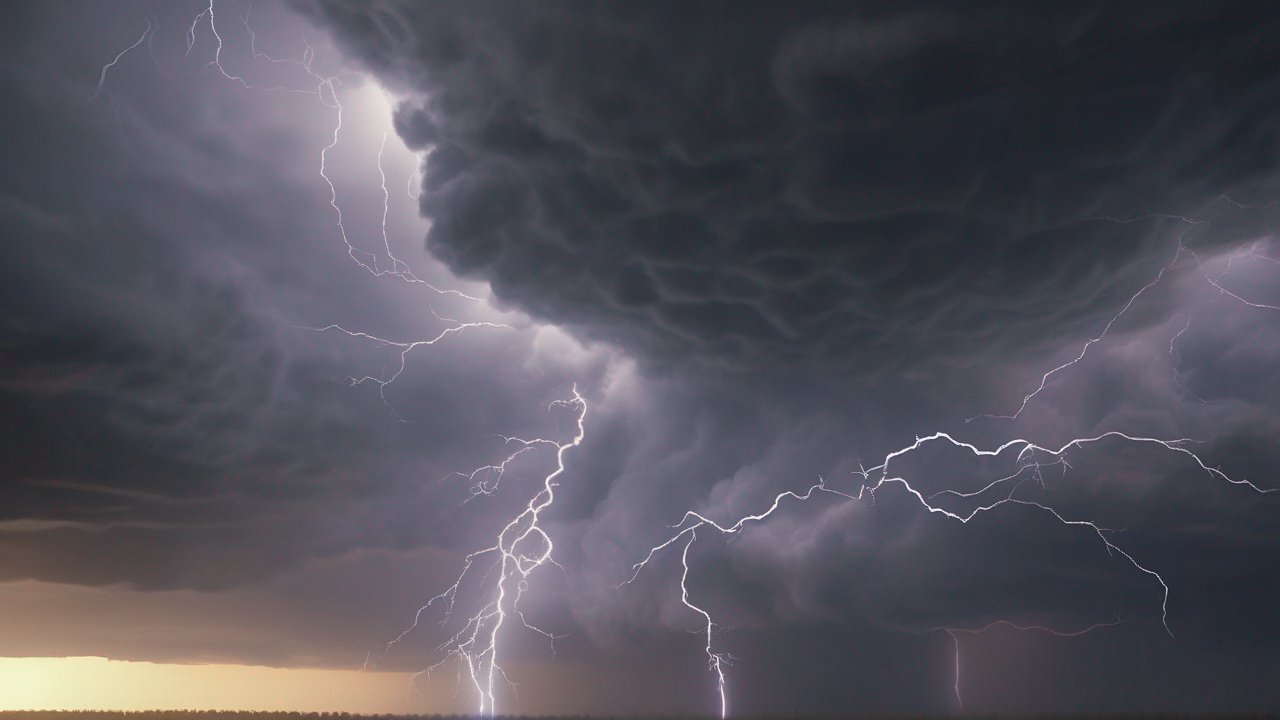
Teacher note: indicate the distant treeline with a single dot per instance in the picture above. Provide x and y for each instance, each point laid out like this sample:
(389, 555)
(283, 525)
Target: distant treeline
(277, 715)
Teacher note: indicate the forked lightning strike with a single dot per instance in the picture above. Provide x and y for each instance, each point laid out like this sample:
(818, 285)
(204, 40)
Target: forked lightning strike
(330, 100)
(1044, 379)
(405, 349)
(521, 547)
(692, 520)
(716, 661)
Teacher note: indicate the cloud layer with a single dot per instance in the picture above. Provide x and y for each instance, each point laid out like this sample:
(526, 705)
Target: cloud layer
(837, 185)
(825, 230)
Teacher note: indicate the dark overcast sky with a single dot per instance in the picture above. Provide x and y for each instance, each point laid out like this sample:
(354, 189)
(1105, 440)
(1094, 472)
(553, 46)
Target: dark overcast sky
(768, 243)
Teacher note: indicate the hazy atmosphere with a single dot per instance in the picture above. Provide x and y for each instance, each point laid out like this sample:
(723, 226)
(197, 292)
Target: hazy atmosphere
(343, 340)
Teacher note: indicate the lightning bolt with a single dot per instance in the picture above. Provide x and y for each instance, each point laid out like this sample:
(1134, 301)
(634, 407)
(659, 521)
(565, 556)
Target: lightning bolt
(692, 521)
(520, 548)
(1177, 260)
(688, 526)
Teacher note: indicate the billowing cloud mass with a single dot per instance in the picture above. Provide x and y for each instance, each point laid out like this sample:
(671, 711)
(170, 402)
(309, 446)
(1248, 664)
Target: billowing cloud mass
(769, 243)
(841, 185)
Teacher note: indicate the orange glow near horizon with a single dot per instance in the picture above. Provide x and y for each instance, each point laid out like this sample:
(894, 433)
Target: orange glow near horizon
(95, 683)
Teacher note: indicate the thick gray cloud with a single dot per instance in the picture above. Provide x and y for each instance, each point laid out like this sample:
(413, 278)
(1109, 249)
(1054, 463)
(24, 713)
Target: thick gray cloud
(842, 185)
(169, 424)
(880, 222)
(822, 232)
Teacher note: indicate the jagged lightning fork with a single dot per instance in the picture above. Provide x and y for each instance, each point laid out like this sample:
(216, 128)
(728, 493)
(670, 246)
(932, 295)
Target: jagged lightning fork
(692, 520)
(1026, 448)
(716, 661)
(1044, 379)
(476, 644)
(330, 100)
(405, 349)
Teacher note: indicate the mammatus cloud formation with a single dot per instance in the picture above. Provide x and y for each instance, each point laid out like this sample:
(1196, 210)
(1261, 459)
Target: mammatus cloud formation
(835, 184)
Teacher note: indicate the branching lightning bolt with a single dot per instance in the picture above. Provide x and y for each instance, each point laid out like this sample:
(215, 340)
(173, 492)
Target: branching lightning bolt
(1177, 259)
(405, 347)
(521, 547)
(716, 661)
(329, 99)
(693, 520)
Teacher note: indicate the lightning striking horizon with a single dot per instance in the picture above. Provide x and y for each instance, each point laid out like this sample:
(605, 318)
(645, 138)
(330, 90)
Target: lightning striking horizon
(476, 644)
(518, 558)
(692, 520)
(700, 520)
(522, 546)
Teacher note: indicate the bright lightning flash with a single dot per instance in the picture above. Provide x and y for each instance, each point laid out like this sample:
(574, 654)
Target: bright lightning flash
(520, 548)
(523, 546)
(692, 521)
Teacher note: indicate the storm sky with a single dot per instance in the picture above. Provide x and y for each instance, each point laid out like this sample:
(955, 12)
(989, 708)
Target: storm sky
(769, 243)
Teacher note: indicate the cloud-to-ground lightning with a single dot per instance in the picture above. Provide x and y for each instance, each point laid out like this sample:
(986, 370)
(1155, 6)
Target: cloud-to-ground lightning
(689, 525)
(692, 520)
(521, 547)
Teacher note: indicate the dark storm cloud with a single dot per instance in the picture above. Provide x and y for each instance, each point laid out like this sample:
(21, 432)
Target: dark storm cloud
(857, 188)
(938, 190)
(837, 184)
(165, 424)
